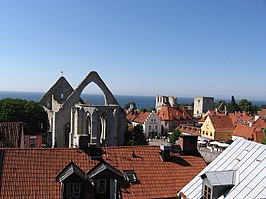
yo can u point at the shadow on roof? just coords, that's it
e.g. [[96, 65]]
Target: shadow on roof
[[179, 161]]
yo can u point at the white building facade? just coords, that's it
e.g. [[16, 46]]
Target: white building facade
[[150, 122]]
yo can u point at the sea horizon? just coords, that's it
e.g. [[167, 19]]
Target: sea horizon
[[98, 99]]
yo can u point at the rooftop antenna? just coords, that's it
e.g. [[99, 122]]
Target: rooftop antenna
[[62, 73]]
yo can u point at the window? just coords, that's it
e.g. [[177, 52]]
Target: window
[[207, 192], [149, 127], [101, 186], [73, 190], [130, 176], [32, 142], [210, 133], [207, 133], [156, 127], [2, 135], [62, 96]]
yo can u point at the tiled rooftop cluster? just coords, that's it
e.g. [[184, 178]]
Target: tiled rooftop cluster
[[31, 173]]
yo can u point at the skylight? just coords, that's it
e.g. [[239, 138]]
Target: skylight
[[130, 176]]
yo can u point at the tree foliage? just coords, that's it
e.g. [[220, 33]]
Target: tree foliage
[[30, 113], [135, 136], [246, 106], [233, 107], [264, 140], [174, 136]]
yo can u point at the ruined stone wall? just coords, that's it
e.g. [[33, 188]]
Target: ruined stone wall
[[107, 125], [62, 115]]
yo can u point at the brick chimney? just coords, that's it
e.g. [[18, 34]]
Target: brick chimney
[[165, 153], [188, 143]]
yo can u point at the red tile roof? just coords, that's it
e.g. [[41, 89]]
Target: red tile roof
[[11, 134], [30, 173], [189, 129], [141, 117], [240, 118], [262, 113], [222, 123], [252, 131], [131, 116], [167, 113]]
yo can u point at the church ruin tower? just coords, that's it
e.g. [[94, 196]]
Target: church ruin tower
[[72, 121]]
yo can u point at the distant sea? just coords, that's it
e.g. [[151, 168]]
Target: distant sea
[[97, 99]]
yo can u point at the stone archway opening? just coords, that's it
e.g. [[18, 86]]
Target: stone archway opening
[[102, 128], [93, 95]]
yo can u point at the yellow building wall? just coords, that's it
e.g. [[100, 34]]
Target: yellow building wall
[[223, 135], [207, 129]]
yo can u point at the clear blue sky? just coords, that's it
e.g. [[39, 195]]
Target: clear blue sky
[[183, 48]]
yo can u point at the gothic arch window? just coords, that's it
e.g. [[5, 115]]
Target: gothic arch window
[[89, 124], [67, 131], [102, 128]]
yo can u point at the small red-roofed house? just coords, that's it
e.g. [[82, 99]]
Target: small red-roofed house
[[172, 117], [150, 122], [217, 127]]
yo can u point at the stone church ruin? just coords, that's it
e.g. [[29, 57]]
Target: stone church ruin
[[74, 123]]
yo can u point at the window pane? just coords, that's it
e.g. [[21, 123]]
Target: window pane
[[73, 190], [101, 186]]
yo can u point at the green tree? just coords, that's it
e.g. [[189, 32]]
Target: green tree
[[174, 136], [31, 113], [246, 106], [264, 140], [263, 106], [135, 136], [233, 107]]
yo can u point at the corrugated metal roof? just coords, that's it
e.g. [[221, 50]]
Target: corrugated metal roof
[[246, 157]]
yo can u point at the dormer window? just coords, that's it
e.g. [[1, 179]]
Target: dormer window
[[73, 181], [130, 176], [207, 192], [73, 190], [218, 183]]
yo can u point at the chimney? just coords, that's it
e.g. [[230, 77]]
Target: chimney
[[165, 153], [83, 141], [95, 152], [188, 143], [225, 110]]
